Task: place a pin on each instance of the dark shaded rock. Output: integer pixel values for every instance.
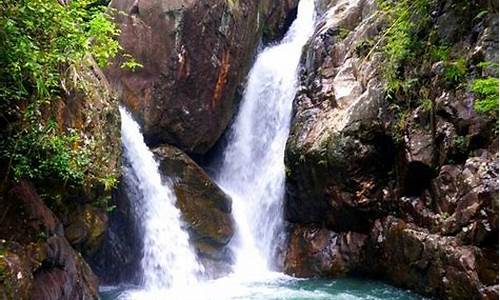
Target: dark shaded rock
(118, 259)
(64, 274)
(469, 196)
(280, 14)
(314, 251)
(24, 206)
(195, 54)
(16, 278)
(86, 228)
(206, 209)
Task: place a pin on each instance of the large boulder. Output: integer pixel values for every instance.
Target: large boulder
(194, 54)
(88, 108)
(205, 208)
(338, 154)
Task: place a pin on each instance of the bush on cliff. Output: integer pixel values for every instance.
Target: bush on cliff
(44, 45)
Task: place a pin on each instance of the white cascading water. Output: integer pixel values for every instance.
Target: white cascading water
(253, 170)
(252, 173)
(168, 260)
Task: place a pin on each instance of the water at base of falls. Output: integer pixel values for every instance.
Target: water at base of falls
(277, 287)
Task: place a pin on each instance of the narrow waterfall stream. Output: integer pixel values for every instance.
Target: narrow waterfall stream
(168, 260)
(253, 174)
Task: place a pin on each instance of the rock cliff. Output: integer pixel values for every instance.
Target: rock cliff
(392, 170)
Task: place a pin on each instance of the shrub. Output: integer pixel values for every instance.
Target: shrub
(407, 19)
(342, 32)
(41, 38)
(440, 53)
(41, 152)
(486, 91)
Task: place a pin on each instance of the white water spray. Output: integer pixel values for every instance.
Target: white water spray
(168, 260)
(253, 170)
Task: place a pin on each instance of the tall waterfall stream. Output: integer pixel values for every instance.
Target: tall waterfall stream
(252, 172)
(253, 168)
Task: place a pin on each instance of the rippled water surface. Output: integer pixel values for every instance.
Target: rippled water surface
(278, 288)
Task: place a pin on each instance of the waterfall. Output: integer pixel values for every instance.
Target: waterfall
(168, 260)
(253, 170)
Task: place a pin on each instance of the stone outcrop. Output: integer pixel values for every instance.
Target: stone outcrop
(90, 109)
(413, 198)
(338, 154)
(205, 208)
(37, 261)
(194, 54)
(433, 264)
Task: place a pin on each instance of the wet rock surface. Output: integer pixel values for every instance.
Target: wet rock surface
(413, 203)
(315, 251)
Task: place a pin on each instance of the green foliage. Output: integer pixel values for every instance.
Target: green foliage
(406, 20)
(41, 152)
(440, 53)
(486, 91)
(130, 63)
(109, 182)
(488, 64)
(399, 126)
(104, 202)
(363, 48)
(427, 105)
(455, 71)
(342, 32)
(460, 144)
(103, 45)
(41, 38)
